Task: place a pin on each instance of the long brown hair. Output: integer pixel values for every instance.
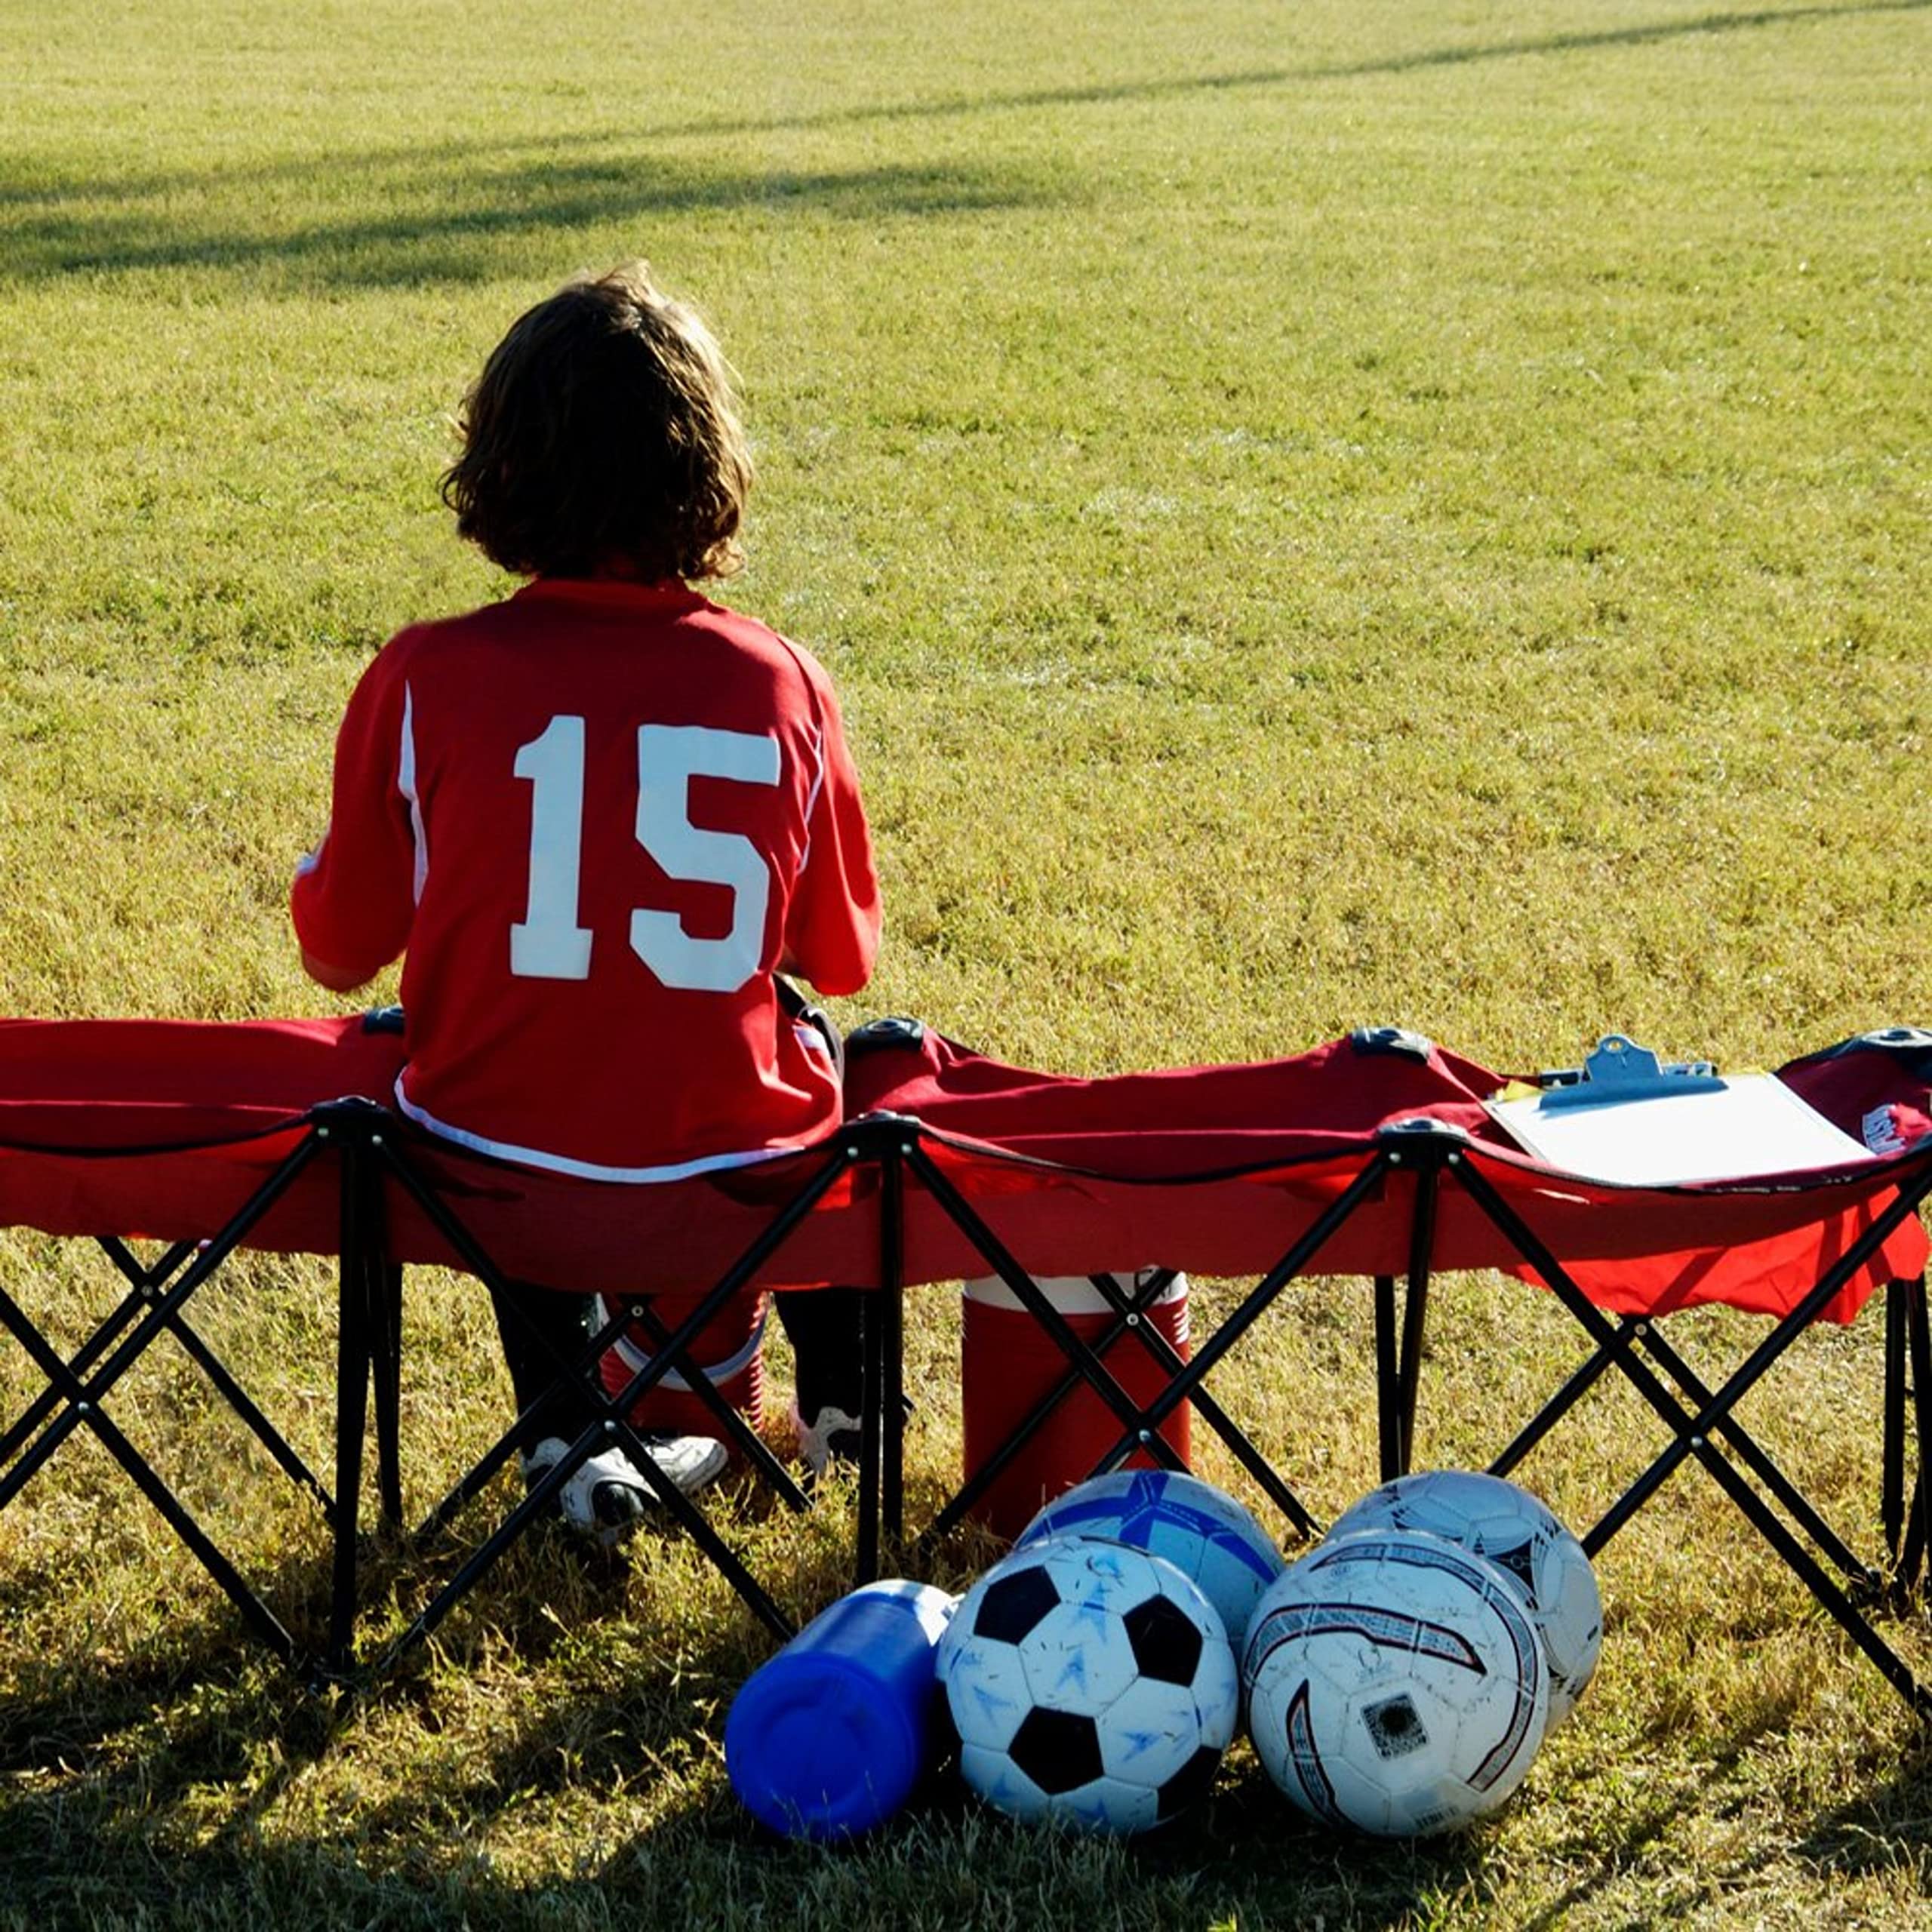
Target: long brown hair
(602, 437)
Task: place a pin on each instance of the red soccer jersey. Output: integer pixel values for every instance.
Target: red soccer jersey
(599, 816)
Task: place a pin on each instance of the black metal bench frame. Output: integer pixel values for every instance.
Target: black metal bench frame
(374, 1153)
(1703, 1422)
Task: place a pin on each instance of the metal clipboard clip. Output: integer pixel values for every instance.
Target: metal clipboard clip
(1620, 1069)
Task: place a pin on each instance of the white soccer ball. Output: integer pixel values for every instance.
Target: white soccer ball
(1206, 1535)
(1491, 1517)
(1088, 1683)
(1395, 1683)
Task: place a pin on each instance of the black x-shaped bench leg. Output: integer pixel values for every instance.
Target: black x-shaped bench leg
(1141, 1423)
(1633, 1333)
(1907, 1425)
(1399, 1352)
(611, 1426)
(1130, 1312)
(1131, 1307)
(77, 1389)
(1700, 1426)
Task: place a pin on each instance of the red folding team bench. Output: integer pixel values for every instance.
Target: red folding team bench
(1373, 1156)
(1376, 1156)
(201, 1139)
(204, 1138)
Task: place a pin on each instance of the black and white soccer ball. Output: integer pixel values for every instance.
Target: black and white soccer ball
(1395, 1685)
(1501, 1520)
(1088, 1683)
(1207, 1536)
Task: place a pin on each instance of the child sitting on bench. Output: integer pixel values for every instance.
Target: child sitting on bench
(597, 821)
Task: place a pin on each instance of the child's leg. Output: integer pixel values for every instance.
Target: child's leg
(537, 1326)
(823, 1327)
(541, 1330)
(823, 1324)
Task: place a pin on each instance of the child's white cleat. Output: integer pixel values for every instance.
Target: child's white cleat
(831, 1435)
(606, 1494)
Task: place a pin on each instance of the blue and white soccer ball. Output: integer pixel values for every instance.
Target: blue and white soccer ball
(1088, 1683)
(1502, 1521)
(1206, 1535)
(1395, 1685)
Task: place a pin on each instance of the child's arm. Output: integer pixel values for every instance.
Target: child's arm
(354, 897)
(832, 927)
(337, 978)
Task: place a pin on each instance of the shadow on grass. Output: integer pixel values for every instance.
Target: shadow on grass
(230, 1804)
(168, 1780)
(1580, 41)
(62, 1706)
(1643, 34)
(182, 1708)
(454, 214)
(194, 1780)
(457, 211)
(499, 1778)
(1648, 1823)
(366, 161)
(1887, 1830)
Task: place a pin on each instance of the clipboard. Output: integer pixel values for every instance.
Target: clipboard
(1625, 1118)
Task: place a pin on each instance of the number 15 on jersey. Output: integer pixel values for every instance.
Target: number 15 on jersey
(548, 943)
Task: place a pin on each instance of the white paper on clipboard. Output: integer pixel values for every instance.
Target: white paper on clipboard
(1724, 1130)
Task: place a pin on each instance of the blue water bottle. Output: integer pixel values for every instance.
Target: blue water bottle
(828, 1738)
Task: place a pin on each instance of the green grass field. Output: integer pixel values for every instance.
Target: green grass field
(1323, 514)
